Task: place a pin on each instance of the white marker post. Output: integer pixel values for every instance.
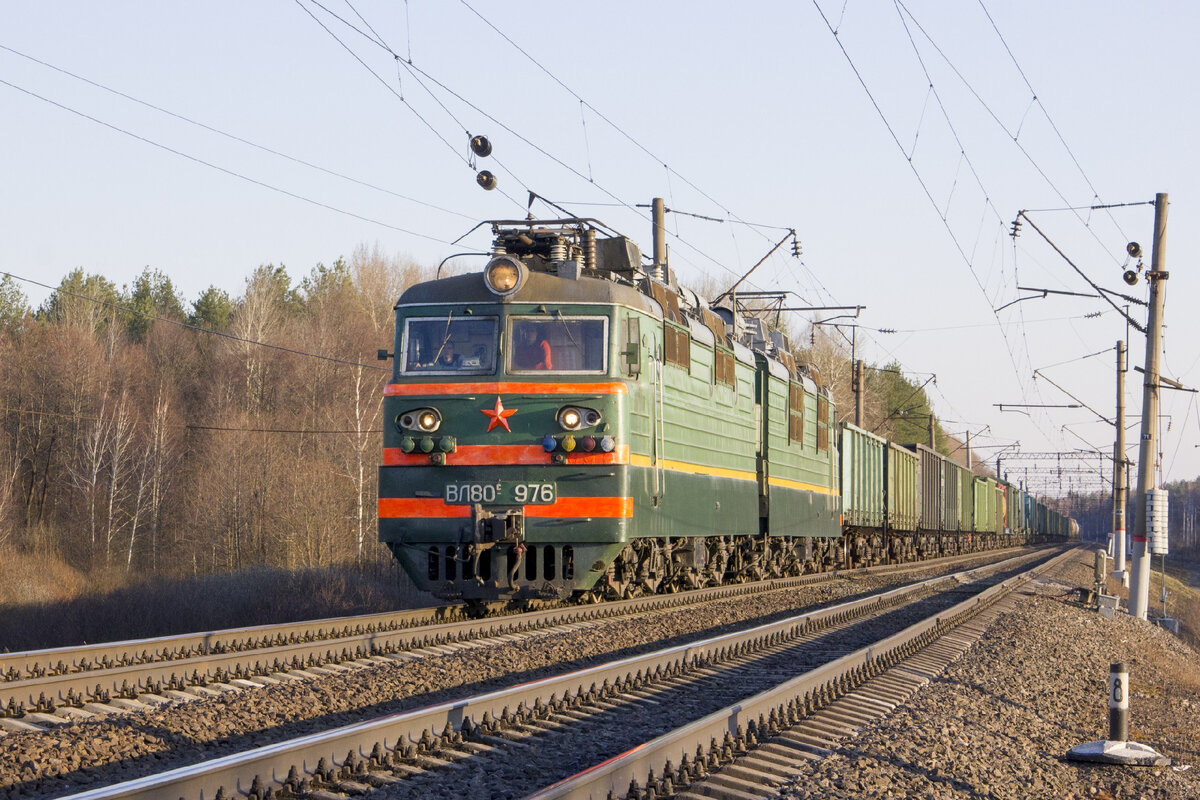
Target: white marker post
(1118, 703)
(1117, 749)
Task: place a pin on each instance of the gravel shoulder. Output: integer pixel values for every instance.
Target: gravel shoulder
(998, 722)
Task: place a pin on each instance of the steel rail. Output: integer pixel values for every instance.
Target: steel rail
(200, 658)
(639, 765)
(308, 755)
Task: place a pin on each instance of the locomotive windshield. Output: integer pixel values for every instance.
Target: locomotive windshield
(450, 345)
(558, 344)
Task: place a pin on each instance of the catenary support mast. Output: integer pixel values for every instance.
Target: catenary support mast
(1139, 585)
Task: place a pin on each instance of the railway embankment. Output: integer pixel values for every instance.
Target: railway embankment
(998, 722)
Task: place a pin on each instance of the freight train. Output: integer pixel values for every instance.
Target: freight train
(570, 422)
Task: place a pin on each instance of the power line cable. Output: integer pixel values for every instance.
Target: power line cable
(274, 430)
(398, 95)
(219, 168)
(1080, 358)
(364, 21)
(417, 72)
(977, 325)
(228, 135)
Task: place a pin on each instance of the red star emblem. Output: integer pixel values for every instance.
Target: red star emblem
(499, 415)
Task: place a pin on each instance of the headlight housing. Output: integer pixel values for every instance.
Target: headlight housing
(575, 418)
(427, 420)
(504, 275)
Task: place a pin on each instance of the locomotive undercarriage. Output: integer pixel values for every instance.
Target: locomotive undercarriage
(676, 564)
(477, 575)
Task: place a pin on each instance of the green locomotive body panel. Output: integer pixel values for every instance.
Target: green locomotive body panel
(572, 509)
(696, 468)
(799, 455)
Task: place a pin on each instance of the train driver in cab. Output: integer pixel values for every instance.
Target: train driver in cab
(447, 358)
(532, 351)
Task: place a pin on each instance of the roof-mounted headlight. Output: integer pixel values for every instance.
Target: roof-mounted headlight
(504, 275)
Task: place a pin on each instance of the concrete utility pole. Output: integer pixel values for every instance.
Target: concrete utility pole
(1139, 587)
(932, 438)
(659, 215)
(1118, 535)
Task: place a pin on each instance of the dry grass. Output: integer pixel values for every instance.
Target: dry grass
(27, 578)
(72, 611)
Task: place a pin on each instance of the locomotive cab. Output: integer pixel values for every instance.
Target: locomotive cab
(506, 438)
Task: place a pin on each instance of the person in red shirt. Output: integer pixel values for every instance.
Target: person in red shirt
(532, 352)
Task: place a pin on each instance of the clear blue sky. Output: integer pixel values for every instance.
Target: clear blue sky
(753, 115)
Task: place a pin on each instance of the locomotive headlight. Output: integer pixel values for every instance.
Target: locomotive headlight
(420, 419)
(573, 418)
(504, 275)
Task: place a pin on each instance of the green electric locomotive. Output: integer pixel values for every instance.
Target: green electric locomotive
(571, 422)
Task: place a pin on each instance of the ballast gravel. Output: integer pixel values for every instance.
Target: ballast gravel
(999, 721)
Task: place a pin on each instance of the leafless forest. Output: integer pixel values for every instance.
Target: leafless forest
(144, 436)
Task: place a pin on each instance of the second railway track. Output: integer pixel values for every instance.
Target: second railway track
(48, 687)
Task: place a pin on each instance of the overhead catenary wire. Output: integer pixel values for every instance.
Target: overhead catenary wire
(1036, 98)
(1079, 358)
(581, 100)
(1014, 135)
(1018, 373)
(1016, 140)
(417, 72)
(977, 325)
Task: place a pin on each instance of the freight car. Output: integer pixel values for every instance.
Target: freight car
(572, 422)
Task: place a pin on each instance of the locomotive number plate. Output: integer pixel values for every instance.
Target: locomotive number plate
(501, 493)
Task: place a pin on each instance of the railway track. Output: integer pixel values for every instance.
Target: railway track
(50, 687)
(719, 710)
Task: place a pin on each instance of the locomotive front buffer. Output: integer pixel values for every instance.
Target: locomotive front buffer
(497, 525)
